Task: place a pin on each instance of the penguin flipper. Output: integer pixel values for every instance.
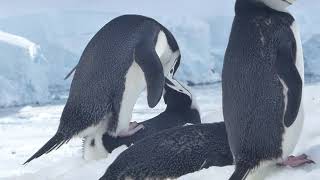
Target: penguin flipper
(71, 72)
(54, 143)
(149, 61)
(217, 159)
(291, 78)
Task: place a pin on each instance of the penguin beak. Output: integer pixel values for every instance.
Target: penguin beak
(289, 1)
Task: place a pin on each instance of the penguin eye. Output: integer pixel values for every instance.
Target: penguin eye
(171, 71)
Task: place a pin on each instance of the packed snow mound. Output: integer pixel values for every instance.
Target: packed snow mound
(37, 124)
(22, 71)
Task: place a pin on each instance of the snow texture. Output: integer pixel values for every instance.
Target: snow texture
(24, 130)
(42, 40)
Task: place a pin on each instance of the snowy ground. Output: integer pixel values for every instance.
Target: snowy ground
(24, 130)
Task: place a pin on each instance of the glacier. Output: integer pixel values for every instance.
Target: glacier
(22, 71)
(59, 36)
(42, 40)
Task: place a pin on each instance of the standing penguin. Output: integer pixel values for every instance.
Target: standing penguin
(181, 109)
(172, 153)
(262, 82)
(129, 53)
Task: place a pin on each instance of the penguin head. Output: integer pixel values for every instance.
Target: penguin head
(178, 96)
(279, 5)
(173, 66)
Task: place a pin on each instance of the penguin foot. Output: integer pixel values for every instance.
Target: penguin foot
(296, 161)
(134, 127)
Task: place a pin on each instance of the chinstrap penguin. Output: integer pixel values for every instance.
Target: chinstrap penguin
(127, 55)
(262, 82)
(173, 153)
(181, 109)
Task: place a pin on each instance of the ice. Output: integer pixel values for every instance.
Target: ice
(18, 41)
(22, 71)
(312, 56)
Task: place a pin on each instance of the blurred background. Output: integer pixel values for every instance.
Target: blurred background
(42, 40)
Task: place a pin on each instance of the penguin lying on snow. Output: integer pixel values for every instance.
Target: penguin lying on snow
(129, 53)
(262, 83)
(173, 153)
(181, 109)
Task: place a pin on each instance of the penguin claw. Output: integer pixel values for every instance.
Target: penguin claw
(296, 161)
(134, 127)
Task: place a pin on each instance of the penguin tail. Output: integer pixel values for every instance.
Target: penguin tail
(241, 172)
(54, 143)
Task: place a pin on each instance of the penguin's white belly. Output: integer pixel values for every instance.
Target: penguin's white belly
(299, 54)
(135, 83)
(292, 133)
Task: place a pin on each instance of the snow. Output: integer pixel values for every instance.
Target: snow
(42, 40)
(24, 130)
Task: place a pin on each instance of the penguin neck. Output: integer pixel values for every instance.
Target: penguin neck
(177, 108)
(178, 104)
(278, 5)
(176, 101)
(184, 108)
(178, 97)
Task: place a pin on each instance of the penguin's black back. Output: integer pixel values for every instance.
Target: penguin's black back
(173, 153)
(112, 49)
(253, 96)
(99, 80)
